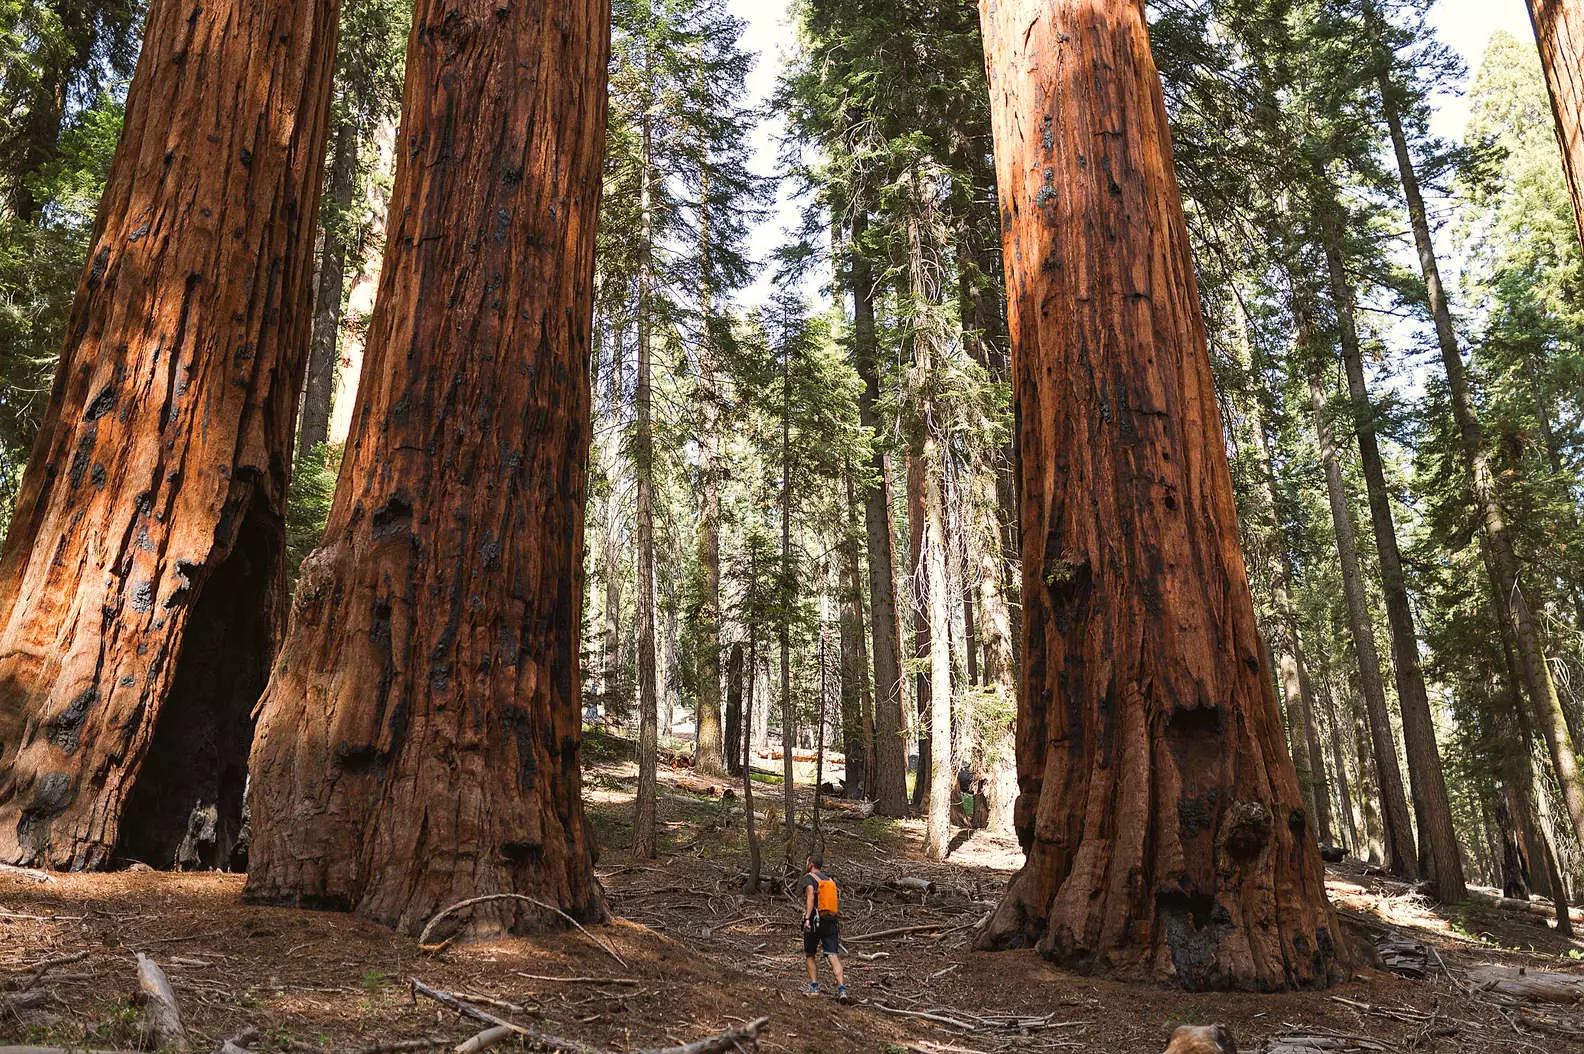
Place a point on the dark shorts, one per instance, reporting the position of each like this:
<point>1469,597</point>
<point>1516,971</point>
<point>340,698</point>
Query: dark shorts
<point>826,934</point>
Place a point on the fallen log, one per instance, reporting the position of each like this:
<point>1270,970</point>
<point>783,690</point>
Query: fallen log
<point>1529,986</point>
<point>1541,908</point>
<point>490,1037</point>
<point>859,810</point>
<point>161,1018</point>
<point>699,785</point>
<point>900,931</point>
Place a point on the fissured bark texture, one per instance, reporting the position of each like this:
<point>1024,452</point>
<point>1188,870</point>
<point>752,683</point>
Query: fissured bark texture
<point>1159,808</point>
<point>141,584</point>
<point>418,743</point>
<point>1559,31</point>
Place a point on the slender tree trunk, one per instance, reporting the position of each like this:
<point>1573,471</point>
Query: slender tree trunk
<point>1440,859</point>
<point>752,887</point>
<point>643,845</point>
<point>1160,810</point>
<point>1523,773</point>
<point>990,509</point>
<point>918,594</point>
<point>856,706</point>
<point>709,755</point>
<point>784,627</point>
<point>734,709</point>
<point>670,681</point>
<point>1559,31</point>
<point>1510,591</point>
<point>1299,692</point>
<point>1403,859</point>
<point>610,676</point>
<point>319,388</point>
<point>1339,767</point>
<point>890,768</point>
<point>142,586</point>
<point>1369,792</point>
<point>418,743</point>
<point>926,487</point>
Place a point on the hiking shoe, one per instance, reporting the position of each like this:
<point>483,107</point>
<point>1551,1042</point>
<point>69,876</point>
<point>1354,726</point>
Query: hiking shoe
<point>841,991</point>
<point>811,990</point>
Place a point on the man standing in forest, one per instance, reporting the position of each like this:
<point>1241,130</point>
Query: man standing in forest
<point>821,924</point>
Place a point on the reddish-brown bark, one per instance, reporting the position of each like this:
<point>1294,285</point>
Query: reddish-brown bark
<point>418,743</point>
<point>141,585</point>
<point>1160,810</point>
<point>1559,31</point>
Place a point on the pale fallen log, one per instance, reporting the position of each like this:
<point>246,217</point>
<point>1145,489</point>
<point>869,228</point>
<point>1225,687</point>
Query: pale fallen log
<point>1538,908</point>
<point>161,1019</point>
<point>490,1037</point>
<point>900,931</point>
<point>917,885</point>
<point>1529,986</point>
<point>32,874</point>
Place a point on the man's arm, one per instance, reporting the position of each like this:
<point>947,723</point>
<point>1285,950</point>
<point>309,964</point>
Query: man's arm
<point>808,902</point>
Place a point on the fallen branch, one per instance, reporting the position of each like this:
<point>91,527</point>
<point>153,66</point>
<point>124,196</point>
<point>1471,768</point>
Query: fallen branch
<point>162,1024</point>
<point>900,931</point>
<point>578,980</point>
<point>926,1015</point>
<point>32,874</point>
<point>401,1046</point>
<point>423,938</point>
<point>486,1000</point>
<point>532,1039</point>
<point>44,966</point>
<point>743,1037</point>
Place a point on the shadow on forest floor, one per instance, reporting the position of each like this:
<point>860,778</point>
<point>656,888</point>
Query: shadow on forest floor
<point>700,956</point>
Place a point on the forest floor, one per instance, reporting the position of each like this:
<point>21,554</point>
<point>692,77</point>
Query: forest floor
<point>697,957</point>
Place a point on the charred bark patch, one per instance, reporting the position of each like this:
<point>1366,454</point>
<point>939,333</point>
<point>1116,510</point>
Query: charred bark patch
<point>65,728</point>
<point>1195,926</point>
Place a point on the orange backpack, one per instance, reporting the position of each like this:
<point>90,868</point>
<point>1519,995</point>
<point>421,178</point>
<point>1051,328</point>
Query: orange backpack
<point>825,899</point>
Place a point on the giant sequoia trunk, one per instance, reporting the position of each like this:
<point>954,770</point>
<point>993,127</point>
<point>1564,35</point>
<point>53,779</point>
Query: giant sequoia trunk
<point>1160,811</point>
<point>1559,30</point>
<point>141,585</point>
<point>890,768</point>
<point>418,743</point>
